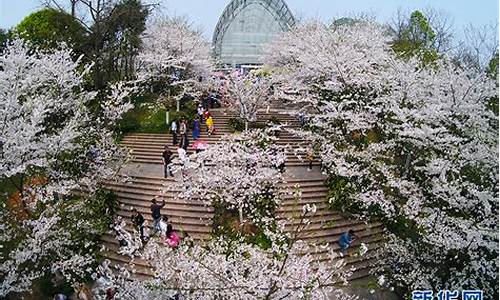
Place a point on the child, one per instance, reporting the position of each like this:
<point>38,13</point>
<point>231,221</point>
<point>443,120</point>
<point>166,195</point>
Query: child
<point>171,237</point>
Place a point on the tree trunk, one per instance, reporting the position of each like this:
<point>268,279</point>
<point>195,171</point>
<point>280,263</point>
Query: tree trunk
<point>407,163</point>
<point>240,211</point>
<point>73,8</point>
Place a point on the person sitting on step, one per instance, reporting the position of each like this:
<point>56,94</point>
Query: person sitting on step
<point>346,240</point>
<point>171,237</point>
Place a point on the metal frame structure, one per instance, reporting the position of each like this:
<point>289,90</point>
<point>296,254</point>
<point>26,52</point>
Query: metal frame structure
<point>277,8</point>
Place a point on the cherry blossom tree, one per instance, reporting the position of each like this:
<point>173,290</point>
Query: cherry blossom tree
<point>233,269</point>
<point>173,52</point>
<point>237,172</point>
<point>44,117</point>
<point>48,132</point>
<point>245,95</point>
<point>415,146</point>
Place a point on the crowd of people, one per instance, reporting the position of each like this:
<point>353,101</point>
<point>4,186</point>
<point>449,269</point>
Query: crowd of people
<point>180,128</point>
<point>180,138</point>
<point>161,225</point>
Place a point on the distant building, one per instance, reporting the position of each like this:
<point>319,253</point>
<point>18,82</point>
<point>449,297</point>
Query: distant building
<point>245,27</point>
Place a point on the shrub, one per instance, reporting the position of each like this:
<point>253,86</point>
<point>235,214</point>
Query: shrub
<point>236,124</point>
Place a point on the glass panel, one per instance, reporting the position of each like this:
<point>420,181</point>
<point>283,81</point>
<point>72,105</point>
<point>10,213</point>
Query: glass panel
<point>252,27</point>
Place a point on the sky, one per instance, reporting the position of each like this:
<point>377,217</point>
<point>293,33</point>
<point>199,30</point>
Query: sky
<point>205,13</point>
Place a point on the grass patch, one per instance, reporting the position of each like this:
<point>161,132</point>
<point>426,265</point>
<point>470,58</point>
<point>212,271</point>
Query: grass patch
<point>7,188</point>
<point>150,117</point>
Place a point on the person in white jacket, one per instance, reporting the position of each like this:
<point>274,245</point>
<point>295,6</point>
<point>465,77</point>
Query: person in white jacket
<point>183,159</point>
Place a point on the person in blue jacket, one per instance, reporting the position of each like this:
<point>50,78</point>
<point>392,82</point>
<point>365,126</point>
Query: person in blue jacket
<point>346,240</point>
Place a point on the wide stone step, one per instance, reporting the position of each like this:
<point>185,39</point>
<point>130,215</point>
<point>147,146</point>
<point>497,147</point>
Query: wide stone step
<point>154,161</point>
<point>332,235</point>
<point>187,225</point>
<point>170,187</point>
<point>165,138</point>
<point>292,181</point>
<point>142,269</point>
<point>160,181</point>
<point>288,207</point>
<point>176,216</point>
<point>174,208</point>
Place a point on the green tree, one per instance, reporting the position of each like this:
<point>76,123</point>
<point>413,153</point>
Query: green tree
<point>493,73</point>
<point>493,67</point>
<point>416,39</point>
<point>4,37</point>
<point>48,27</point>
<point>122,40</point>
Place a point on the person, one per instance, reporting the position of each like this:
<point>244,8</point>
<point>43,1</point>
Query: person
<point>163,225</point>
<point>110,293</point>
<point>302,119</point>
<point>102,285</point>
<point>183,158</point>
<point>346,240</point>
<point>156,214</point>
<point>206,114</point>
<point>183,128</point>
<point>83,292</point>
<point>200,111</point>
<point>174,129</point>
<point>196,129</point>
<point>167,161</point>
<point>185,142</point>
<point>138,221</point>
<point>171,237</point>
<point>210,125</point>
<point>310,157</point>
<point>282,158</point>
<point>204,101</point>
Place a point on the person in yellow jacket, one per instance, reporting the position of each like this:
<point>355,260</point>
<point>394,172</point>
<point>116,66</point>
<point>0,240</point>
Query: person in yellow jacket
<point>210,125</point>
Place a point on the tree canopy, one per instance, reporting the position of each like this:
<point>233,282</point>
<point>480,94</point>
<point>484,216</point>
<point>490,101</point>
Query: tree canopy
<point>48,27</point>
<point>417,39</point>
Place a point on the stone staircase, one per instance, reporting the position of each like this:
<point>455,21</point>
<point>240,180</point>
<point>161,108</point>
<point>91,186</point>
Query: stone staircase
<point>195,219</point>
<point>147,147</point>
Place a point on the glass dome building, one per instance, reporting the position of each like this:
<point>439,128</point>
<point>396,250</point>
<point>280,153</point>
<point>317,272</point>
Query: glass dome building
<point>245,27</point>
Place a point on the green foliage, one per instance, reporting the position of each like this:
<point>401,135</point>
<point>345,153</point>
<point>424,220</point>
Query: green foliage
<point>123,28</point>
<point>4,37</point>
<point>226,221</point>
<point>49,288</point>
<point>150,117</point>
<point>7,187</point>
<point>48,27</point>
<point>417,40</point>
<point>143,119</point>
<point>493,105</point>
<point>86,219</point>
<point>493,67</point>
<point>105,205</point>
<point>344,22</point>
<point>340,189</point>
<point>96,214</point>
<point>226,224</point>
<point>236,124</point>
<point>274,120</point>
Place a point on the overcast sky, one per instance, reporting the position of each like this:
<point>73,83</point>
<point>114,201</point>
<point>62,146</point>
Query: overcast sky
<point>205,13</point>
